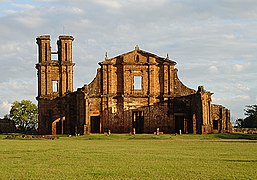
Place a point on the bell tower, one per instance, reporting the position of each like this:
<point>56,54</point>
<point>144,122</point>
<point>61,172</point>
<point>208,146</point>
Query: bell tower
<point>55,77</point>
<point>65,64</point>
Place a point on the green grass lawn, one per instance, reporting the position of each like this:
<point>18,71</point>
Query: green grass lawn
<point>128,157</point>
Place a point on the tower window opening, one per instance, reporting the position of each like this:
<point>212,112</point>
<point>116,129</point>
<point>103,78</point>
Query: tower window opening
<point>45,51</point>
<point>66,52</point>
<point>54,56</point>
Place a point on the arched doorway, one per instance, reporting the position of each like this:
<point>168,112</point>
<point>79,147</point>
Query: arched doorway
<point>58,126</point>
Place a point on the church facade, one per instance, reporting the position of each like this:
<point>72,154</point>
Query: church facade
<point>135,91</point>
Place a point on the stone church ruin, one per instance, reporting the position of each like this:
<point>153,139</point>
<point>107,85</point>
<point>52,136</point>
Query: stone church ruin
<point>136,90</point>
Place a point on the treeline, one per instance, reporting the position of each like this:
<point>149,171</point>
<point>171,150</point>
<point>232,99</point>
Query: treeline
<point>250,121</point>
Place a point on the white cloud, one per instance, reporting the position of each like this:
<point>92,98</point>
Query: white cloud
<point>111,4</point>
<point>213,69</point>
<point>24,6</point>
<point>91,41</point>
<point>234,99</point>
<point>10,47</point>
<point>242,88</point>
<point>239,67</point>
<point>230,36</point>
<point>30,21</point>
<point>77,10</point>
<point>5,107</point>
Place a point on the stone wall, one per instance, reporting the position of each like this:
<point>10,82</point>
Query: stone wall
<point>135,90</point>
<point>7,126</point>
<point>245,130</point>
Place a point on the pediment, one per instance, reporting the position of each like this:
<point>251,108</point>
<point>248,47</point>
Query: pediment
<point>138,56</point>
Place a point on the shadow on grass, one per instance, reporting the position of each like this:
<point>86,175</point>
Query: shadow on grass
<point>227,136</point>
<point>236,136</point>
<point>241,160</point>
<point>122,137</point>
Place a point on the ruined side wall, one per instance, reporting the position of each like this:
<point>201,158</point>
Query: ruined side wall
<point>180,88</point>
<point>206,108</point>
<point>222,115</point>
<point>67,109</point>
<point>196,109</point>
<point>7,126</point>
<point>94,88</point>
<point>48,112</point>
<point>191,108</point>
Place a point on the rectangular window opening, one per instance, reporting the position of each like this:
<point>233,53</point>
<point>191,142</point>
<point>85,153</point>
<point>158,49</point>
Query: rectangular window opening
<point>137,82</point>
<point>55,86</point>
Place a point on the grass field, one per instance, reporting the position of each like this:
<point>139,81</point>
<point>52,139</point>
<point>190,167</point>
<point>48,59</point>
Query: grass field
<point>128,157</point>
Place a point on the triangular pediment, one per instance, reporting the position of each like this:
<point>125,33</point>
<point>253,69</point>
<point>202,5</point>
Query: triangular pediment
<point>137,56</point>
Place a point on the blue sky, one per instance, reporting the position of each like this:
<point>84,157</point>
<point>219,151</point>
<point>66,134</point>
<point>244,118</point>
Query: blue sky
<point>213,42</point>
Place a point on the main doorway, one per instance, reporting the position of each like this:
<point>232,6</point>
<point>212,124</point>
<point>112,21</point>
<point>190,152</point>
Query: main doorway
<point>138,121</point>
<point>95,124</point>
<point>179,124</point>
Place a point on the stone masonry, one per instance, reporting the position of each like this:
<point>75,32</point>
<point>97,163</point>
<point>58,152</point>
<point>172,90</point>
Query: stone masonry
<point>136,90</point>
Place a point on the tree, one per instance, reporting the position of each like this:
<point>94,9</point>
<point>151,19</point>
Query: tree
<point>250,121</point>
<point>239,123</point>
<point>251,116</point>
<point>25,116</point>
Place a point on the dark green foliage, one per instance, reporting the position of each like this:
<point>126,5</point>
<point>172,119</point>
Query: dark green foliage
<point>250,121</point>
<point>25,116</point>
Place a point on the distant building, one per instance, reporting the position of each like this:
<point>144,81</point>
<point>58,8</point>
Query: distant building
<point>135,90</point>
<point>7,126</point>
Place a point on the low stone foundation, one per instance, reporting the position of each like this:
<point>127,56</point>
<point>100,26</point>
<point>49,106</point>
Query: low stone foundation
<point>245,130</point>
<point>31,137</point>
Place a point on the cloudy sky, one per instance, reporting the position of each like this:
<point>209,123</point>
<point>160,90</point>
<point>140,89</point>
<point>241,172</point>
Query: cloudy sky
<point>214,42</point>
